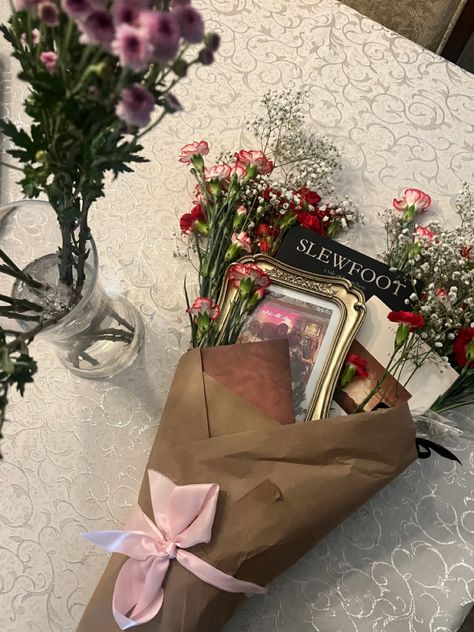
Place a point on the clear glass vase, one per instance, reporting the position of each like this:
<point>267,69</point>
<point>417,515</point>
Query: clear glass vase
<point>99,336</point>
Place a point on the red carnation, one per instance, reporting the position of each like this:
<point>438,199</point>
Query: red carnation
<point>359,363</point>
<point>463,347</point>
<point>414,321</point>
<point>187,222</point>
<point>308,196</point>
<point>310,221</point>
<point>466,252</point>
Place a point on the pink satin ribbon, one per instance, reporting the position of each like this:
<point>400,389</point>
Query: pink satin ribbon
<point>184,515</point>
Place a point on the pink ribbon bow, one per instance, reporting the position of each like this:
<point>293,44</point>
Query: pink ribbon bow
<point>184,515</point>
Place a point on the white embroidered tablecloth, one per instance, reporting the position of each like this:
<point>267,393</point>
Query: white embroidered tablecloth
<point>75,451</point>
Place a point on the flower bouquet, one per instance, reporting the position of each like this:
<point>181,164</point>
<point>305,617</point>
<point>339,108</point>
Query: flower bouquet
<point>231,497</point>
<point>235,491</point>
<point>437,326</point>
<point>100,76</point>
<point>247,201</point>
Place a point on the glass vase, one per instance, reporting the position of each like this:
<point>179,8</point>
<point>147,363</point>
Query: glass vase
<point>98,336</point>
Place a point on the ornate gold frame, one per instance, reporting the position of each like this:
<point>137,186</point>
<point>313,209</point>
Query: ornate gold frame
<point>350,301</point>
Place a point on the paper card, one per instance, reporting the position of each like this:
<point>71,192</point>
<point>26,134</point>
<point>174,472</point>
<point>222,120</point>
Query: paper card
<point>374,342</point>
<point>304,249</point>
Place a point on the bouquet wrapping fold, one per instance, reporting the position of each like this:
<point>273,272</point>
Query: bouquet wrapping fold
<point>283,486</point>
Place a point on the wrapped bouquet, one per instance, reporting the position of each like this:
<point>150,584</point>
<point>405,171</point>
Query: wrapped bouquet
<point>235,493</point>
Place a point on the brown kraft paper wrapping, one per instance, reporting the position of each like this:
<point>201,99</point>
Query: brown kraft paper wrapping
<point>282,487</point>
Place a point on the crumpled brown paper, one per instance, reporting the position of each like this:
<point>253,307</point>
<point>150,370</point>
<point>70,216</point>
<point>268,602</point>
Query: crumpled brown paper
<point>283,486</point>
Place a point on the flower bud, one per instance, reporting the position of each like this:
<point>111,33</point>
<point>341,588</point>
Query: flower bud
<point>212,41</point>
<point>232,252</point>
<point>239,218</point>
<point>409,213</point>
<point>251,172</point>
<point>401,336</point>
<point>201,227</point>
<point>206,57</point>
<point>347,375</point>
<point>41,157</point>
<point>214,187</point>
<point>245,286</point>
<point>180,68</point>
<point>253,301</point>
<point>198,162</point>
<point>470,351</point>
<point>203,321</point>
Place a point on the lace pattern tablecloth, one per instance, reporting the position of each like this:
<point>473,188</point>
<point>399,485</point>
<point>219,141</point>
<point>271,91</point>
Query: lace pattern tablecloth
<point>75,451</point>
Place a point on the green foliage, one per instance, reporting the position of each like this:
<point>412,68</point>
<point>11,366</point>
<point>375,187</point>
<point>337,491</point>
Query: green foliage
<point>17,368</point>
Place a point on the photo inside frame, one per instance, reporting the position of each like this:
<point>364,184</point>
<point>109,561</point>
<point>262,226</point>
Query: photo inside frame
<point>310,325</point>
<point>391,393</point>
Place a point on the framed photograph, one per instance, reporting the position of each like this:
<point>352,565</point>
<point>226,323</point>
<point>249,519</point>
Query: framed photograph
<point>318,315</point>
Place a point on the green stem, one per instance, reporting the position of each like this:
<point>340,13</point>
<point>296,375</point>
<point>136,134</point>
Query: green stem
<point>9,166</point>
<point>152,126</point>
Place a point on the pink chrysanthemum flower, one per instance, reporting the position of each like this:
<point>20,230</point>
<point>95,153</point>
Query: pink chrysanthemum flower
<point>163,32</point>
<point>98,28</point>
<point>77,9</point>
<point>126,12</point>
<point>135,106</point>
<point>49,59</point>
<point>48,12</point>
<point>190,23</point>
<point>133,47</point>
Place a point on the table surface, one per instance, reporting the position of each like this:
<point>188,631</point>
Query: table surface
<point>75,451</point>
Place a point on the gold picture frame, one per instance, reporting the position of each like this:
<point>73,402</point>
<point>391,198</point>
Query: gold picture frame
<point>325,312</point>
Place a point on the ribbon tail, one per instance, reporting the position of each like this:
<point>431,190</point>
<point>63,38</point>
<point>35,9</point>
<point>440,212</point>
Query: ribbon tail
<point>138,593</point>
<point>215,577</point>
<point>424,447</point>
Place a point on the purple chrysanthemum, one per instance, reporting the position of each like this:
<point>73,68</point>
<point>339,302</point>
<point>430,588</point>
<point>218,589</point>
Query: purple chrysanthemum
<point>135,106</point>
<point>125,12</point>
<point>190,23</point>
<point>133,47</point>
<point>99,28</point>
<point>48,12</point>
<point>172,104</point>
<point>77,9</point>
<point>206,57</point>
<point>163,32</point>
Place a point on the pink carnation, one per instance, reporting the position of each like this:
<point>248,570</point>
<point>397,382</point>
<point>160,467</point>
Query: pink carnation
<point>242,239</point>
<point>204,306</point>
<point>413,198</point>
<point>239,171</point>
<point>254,157</point>
<point>188,151</point>
<point>218,172</point>
<point>424,232</point>
<point>241,271</point>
